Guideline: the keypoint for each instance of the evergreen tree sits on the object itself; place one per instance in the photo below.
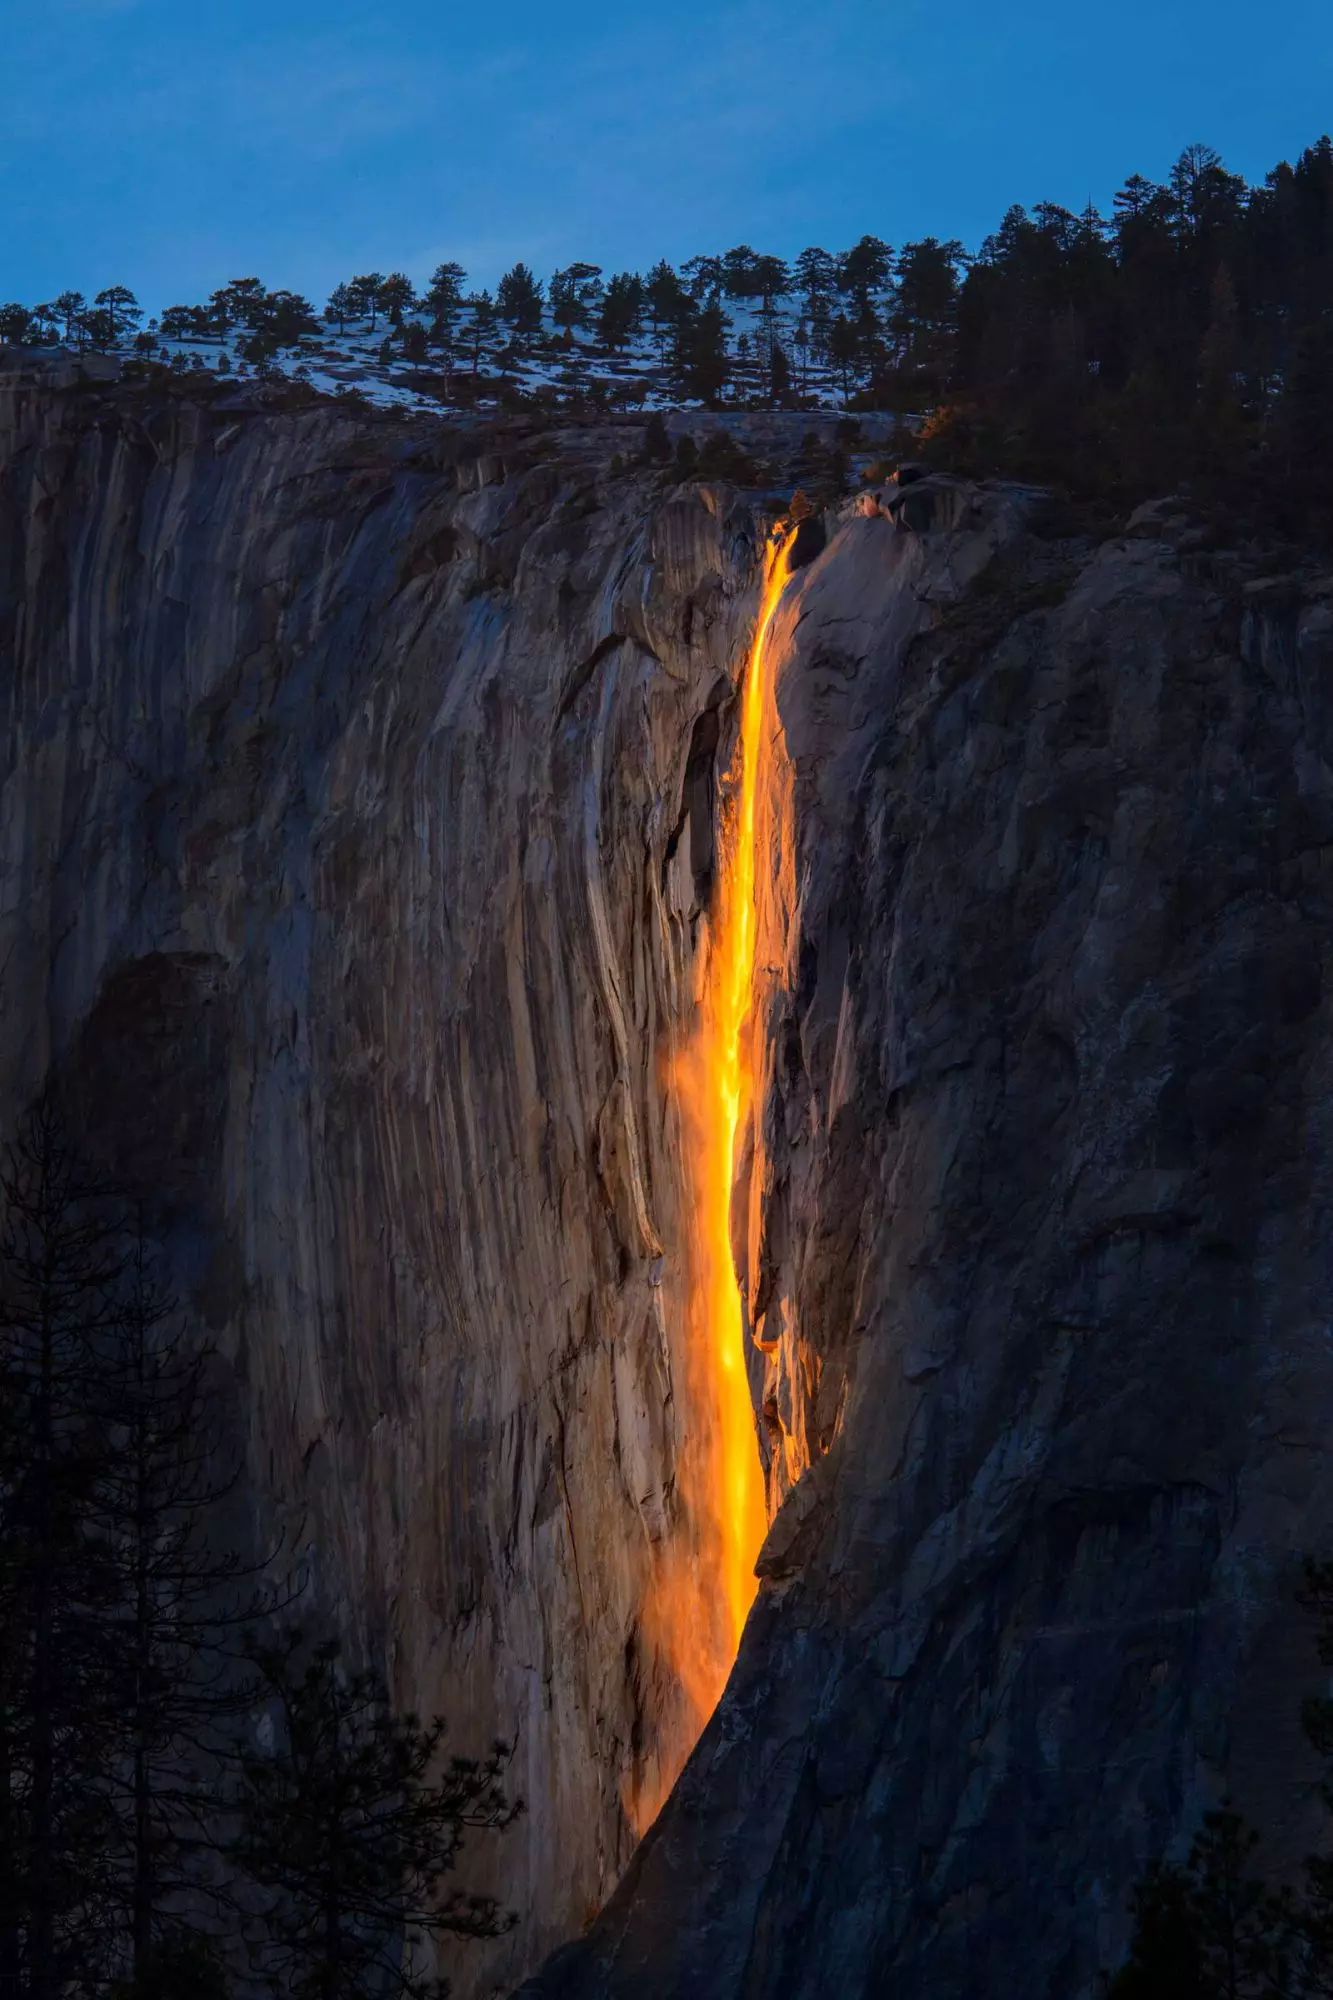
(340, 307)
(518, 301)
(816, 277)
(17, 324)
(666, 299)
(182, 323)
(59, 1268)
(816, 274)
(365, 292)
(863, 273)
(444, 299)
(574, 296)
(122, 309)
(180, 1595)
(772, 281)
(702, 364)
(924, 316)
(704, 278)
(1305, 411)
(237, 303)
(71, 307)
(445, 292)
(844, 349)
(481, 326)
(620, 312)
(738, 273)
(1210, 1930)
(349, 1828)
(1316, 1916)
(396, 296)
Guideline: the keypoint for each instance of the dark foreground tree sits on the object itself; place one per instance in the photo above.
(59, 1269)
(1211, 1930)
(182, 1596)
(1317, 1717)
(350, 1824)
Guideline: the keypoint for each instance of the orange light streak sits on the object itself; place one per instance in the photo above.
(703, 1592)
(728, 1075)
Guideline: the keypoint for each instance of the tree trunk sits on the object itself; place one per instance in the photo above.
(41, 1928)
(9, 1926)
(144, 1883)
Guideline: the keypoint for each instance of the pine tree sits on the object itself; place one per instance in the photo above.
(704, 278)
(844, 349)
(1316, 1916)
(365, 292)
(863, 272)
(349, 1829)
(574, 295)
(71, 306)
(181, 1595)
(415, 342)
(666, 300)
(738, 273)
(396, 296)
(702, 364)
(621, 311)
(816, 274)
(444, 297)
(237, 303)
(340, 307)
(518, 301)
(482, 326)
(122, 308)
(1210, 1930)
(17, 324)
(59, 1267)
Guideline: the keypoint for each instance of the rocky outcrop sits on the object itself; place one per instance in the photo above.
(1052, 1091)
(356, 826)
(348, 768)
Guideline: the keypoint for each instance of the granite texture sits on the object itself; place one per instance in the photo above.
(358, 790)
(1053, 1091)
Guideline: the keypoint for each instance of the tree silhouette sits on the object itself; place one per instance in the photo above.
(365, 292)
(518, 301)
(620, 311)
(702, 364)
(574, 295)
(181, 1592)
(396, 296)
(341, 307)
(1210, 1930)
(349, 1825)
(59, 1268)
(481, 327)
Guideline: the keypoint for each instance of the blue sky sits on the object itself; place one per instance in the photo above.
(173, 144)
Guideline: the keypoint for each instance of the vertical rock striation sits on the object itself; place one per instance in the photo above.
(1049, 1130)
(355, 822)
(357, 794)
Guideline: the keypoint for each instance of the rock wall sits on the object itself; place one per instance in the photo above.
(1053, 1091)
(355, 823)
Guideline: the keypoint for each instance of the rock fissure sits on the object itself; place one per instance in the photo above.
(382, 900)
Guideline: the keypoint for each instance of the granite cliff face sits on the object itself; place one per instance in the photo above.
(357, 819)
(355, 813)
(1053, 1093)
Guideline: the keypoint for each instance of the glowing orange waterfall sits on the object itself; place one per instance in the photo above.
(723, 1061)
(704, 1593)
